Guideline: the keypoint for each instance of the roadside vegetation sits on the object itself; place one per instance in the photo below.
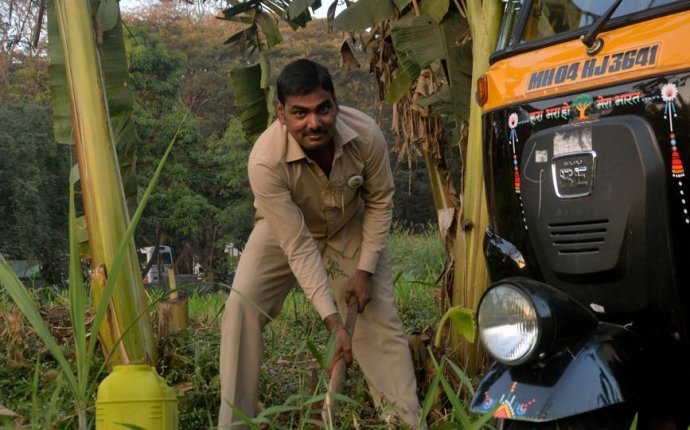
(292, 377)
(179, 69)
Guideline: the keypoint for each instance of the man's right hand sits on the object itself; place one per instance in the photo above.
(343, 342)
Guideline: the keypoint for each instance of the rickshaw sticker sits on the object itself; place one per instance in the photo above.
(508, 406)
(584, 106)
(603, 65)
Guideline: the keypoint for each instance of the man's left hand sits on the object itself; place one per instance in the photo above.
(360, 286)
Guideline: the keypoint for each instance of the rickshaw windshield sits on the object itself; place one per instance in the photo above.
(552, 17)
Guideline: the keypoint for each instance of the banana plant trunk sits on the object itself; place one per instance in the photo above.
(471, 277)
(102, 192)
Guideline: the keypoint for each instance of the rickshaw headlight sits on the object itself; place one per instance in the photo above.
(508, 324)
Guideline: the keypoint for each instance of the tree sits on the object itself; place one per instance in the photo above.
(33, 183)
(22, 51)
(203, 201)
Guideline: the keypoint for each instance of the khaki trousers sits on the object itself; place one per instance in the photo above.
(264, 278)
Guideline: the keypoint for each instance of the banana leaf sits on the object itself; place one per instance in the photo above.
(269, 27)
(250, 97)
(298, 7)
(458, 63)
(120, 99)
(101, 182)
(364, 14)
(436, 9)
(418, 41)
(233, 11)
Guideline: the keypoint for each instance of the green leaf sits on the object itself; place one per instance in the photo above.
(115, 80)
(265, 64)
(364, 14)
(418, 41)
(298, 7)
(436, 9)
(278, 409)
(300, 20)
(464, 379)
(108, 14)
(481, 422)
(269, 26)
(440, 102)
(77, 292)
(401, 4)
(463, 321)
(241, 35)
(458, 63)
(120, 108)
(250, 98)
(315, 352)
(398, 87)
(62, 115)
(458, 409)
(431, 395)
(233, 11)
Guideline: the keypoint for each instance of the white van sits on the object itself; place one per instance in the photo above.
(164, 257)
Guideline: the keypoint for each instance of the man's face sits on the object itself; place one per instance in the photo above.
(310, 118)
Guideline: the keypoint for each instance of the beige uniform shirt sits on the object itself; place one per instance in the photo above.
(350, 209)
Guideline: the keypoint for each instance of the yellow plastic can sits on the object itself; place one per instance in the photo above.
(134, 396)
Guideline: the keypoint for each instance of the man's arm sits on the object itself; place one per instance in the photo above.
(274, 201)
(377, 193)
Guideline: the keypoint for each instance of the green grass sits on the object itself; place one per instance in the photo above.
(291, 375)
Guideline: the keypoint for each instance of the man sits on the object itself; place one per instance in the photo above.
(323, 191)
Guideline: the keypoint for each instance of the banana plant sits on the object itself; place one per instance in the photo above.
(471, 276)
(456, 37)
(78, 374)
(253, 92)
(83, 52)
(111, 47)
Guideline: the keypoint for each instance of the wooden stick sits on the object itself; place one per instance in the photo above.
(338, 374)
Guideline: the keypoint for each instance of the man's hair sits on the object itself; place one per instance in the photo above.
(301, 77)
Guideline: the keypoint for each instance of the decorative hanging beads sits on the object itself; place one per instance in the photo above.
(669, 93)
(513, 137)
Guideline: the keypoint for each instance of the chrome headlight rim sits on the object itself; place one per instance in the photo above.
(537, 309)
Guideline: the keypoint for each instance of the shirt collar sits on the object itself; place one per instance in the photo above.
(344, 134)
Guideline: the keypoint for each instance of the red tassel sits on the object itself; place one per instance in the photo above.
(677, 169)
(517, 180)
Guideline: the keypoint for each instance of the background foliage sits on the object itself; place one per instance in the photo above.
(178, 65)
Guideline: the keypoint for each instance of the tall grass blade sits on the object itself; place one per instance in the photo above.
(483, 420)
(34, 392)
(459, 411)
(20, 295)
(431, 397)
(464, 379)
(77, 293)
